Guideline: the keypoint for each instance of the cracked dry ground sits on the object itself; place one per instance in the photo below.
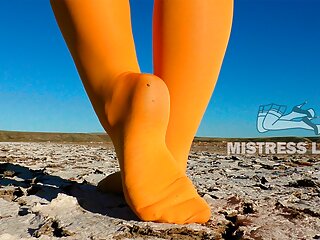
(47, 191)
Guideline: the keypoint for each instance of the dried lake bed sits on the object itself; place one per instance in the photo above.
(48, 191)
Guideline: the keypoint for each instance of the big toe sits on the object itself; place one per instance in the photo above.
(195, 210)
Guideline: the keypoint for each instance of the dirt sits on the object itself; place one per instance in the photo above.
(48, 191)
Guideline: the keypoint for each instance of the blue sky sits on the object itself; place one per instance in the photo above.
(273, 56)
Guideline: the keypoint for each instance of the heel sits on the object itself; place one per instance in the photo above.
(311, 124)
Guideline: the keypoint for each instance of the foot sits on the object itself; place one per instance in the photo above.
(310, 113)
(153, 185)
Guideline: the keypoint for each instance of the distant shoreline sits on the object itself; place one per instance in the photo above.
(19, 136)
(16, 136)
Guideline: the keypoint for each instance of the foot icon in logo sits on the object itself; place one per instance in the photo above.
(272, 117)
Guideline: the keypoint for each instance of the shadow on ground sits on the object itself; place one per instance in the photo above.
(37, 182)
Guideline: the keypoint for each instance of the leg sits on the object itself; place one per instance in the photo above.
(275, 121)
(132, 107)
(101, 51)
(190, 40)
